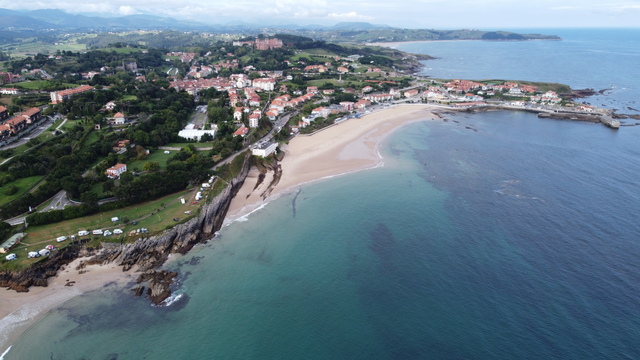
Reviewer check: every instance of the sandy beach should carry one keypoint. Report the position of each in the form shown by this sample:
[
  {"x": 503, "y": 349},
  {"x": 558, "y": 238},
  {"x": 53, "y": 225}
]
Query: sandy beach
[
  {"x": 349, "y": 146},
  {"x": 343, "y": 148},
  {"x": 18, "y": 311}
]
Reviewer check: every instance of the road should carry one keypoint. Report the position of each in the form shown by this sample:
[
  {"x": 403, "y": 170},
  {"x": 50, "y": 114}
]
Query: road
[
  {"x": 35, "y": 132},
  {"x": 58, "y": 202}
]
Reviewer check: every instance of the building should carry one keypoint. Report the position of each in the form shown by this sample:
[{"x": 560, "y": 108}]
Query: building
[
  {"x": 115, "y": 171},
  {"x": 266, "y": 84},
  {"x": 6, "y": 246},
  {"x": 264, "y": 149},
  {"x": 195, "y": 134},
  {"x": 4, "y": 113},
  {"x": 268, "y": 44},
  {"x": 119, "y": 119},
  {"x": 10, "y": 91},
  {"x": 61, "y": 96},
  {"x": 254, "y": 120},
  {"x": 242, "y": 131}
]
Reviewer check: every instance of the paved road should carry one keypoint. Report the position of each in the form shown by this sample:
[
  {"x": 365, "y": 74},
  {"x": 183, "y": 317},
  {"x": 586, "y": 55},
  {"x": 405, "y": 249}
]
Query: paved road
[{"x": 37, "y": 131}]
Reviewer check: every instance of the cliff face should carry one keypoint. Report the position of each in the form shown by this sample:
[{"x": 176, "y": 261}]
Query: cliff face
[{"x": 147, "y": 253}]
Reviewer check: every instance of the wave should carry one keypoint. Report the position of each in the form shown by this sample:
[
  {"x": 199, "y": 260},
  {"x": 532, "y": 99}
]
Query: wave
[
  {"x": 5, "y": 353},
  {"x": 174, "y": 298}
]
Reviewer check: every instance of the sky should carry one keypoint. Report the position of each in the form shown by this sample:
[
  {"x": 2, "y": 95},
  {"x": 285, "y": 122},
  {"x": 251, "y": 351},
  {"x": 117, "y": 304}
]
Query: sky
[{"x": 431, "y": 14}]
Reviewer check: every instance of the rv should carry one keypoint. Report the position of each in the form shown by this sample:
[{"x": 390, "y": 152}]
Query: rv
[
  {"x": 33, "y": 254},
  {"x": 97, "y": 232},
  {"x": 107, "y": 233},
  {"x": 11, "y": 257},
  {"x": 44, "y": 252},
  {"x": 83, "y": 233},
  {"x": 61, "y": 238},
  {"x": 117, "y": 231}
]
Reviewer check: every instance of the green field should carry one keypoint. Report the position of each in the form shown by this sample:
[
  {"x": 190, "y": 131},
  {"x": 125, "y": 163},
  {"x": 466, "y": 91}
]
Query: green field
[
  {"x": 157, "y": 155},
  {"x": 36, "y": 85},
  {"x": 22, "y": 185},
  {"x": 196, "y": 145},
  {"x": 27, "y": 47}
]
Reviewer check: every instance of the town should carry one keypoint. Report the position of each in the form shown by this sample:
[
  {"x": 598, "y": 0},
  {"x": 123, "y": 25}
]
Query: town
[{"x": 145, "y": 135}]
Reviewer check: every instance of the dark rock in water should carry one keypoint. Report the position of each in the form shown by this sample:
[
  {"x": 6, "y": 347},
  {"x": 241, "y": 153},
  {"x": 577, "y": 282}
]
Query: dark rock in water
[
  {"x": 159, "y": 284},
  {"x": 138, "y": 290}
]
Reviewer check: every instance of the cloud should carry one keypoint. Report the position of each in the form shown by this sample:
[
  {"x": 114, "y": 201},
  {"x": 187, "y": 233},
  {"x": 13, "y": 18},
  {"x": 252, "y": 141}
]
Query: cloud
[
  {"x": 127, "y": 10},
  {"x": 352, "y": 15}
]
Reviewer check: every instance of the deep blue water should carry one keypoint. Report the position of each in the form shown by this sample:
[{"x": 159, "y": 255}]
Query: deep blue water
[{"x": 489, "y": 236}]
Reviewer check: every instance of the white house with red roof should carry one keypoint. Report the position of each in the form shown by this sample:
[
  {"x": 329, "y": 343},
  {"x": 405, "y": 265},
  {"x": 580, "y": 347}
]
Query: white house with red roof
[
  {"x": 242, "y": 131},
  {"x": 115, "y": 171}
]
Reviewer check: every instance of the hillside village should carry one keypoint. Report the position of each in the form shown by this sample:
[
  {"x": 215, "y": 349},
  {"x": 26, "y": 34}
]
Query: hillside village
[{"x": 102, "y": 131}]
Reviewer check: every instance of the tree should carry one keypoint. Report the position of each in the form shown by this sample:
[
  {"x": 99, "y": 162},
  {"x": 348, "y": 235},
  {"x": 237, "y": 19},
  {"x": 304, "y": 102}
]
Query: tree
[
  {"x": 108, "y": 186},
  {"x": 151, "y": 166}
]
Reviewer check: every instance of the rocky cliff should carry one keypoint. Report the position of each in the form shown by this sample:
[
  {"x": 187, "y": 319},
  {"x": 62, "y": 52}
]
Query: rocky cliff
[{"x": 146, "y": 253}]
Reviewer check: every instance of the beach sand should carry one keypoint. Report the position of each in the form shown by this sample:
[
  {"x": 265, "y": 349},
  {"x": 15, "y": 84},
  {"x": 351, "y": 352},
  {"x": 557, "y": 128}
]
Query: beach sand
[
  {"x": 18, "y": 311},
  {"x": 343, "y": 148},
  {"x": 349, "y": 146}
]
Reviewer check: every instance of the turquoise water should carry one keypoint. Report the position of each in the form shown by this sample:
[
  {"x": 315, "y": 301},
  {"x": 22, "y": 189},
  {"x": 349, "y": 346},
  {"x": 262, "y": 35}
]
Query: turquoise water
[{"x": 493, "y": 235}]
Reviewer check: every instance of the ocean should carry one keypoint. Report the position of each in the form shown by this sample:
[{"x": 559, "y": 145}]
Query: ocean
[{"x": 493, "y": 235}]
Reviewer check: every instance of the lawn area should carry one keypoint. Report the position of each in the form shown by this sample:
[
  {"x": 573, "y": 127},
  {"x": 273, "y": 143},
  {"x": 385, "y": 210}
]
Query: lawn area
[
  {"x": 122, "y": 50},
  {"x": 35, "y": 85},
  {"x": 196, "y": 145},
  {"x": 45, "y": 233},
  {"x": 129, "y": 98},
  {"x": 157, "y": 155},
  {"x": 22, "y": 185}
]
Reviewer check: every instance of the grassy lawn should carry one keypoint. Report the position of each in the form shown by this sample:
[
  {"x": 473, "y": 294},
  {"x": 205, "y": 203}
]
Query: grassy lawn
[
  {"x": 122, "y": 50},
  {"x": 44, "y": 233},
  {"x": 22, "y": 185},
  {"x": 157, "y": 155},
  {"x": 196, "y": 145},
  {"x": 35, "y": 85},
  {"x": 129, "y": 98}
]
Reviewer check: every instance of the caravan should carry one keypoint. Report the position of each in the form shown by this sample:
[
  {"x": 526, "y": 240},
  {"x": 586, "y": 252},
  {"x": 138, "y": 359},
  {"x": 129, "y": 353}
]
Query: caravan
[
  {"x": 61, "y": 238},
  {"x": 11, "y": 257}
]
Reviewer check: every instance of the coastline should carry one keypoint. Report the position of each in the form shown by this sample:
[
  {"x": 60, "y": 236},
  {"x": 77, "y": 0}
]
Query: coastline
[
  {"x": 19, "y": 311},
  {"x": 347, "y": 147},
  {"x": 350, "y": 146}
]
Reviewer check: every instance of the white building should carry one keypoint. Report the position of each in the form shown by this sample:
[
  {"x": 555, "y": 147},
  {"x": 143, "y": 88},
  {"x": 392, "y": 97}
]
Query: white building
[
  {"x": 116, "y": 170},
  {"x": 266, "y": 84},
  {"x": 264, "y": 149},
  {"x": 195, "y": 134}
]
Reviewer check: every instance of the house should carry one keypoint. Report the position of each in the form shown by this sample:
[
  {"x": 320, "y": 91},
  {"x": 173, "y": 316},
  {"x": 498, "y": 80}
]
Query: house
[
  {"x": 312, "y": 89},
  {"x": 119, "y": 119},
  {"x": 242, "y": 131},
  {"x": 115, "y": 171},
  {"x": 271, "y": 115},
  {"x": 361, "y": 104},
  {"x": 347, "y": 105},
  {"x": 10, "y": 91},
  {"x": 110, "y": 106}
]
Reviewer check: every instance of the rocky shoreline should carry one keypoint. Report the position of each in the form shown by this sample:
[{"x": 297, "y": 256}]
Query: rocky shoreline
[{"x": 147, "y": 254}]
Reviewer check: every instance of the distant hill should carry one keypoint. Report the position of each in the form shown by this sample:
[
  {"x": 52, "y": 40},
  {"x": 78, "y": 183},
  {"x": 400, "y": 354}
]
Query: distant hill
[{"x": 352, "y": 32}]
